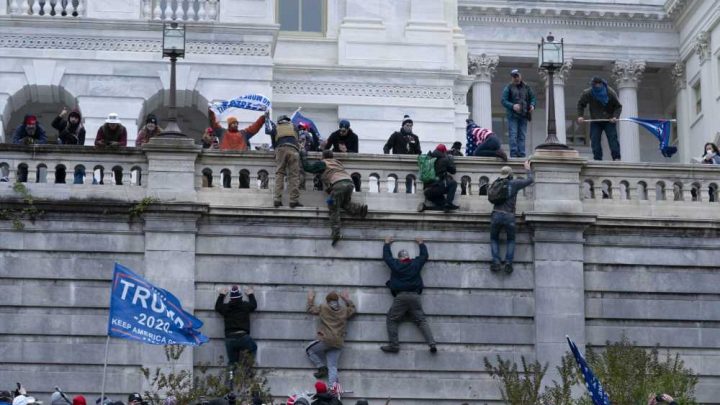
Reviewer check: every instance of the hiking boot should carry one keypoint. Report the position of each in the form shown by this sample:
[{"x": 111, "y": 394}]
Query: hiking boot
[
  {"x": 508, "y": 268},
  {"x": 433, "y": 348},
  {"x": 336, "y": 238},
  {"x": 496, "y": 267},
  {"x": 363, "y": 211},
  {"x": 499, "y": 153},
  {"x": 321, "y": 373},
  {"x": 295, "y": 204},
  {"x": 277, "y": 203},
  {"x": 421, "y": 207},
  {"x": 451, "y": 206},
  {"x": 390, "y": 348}
]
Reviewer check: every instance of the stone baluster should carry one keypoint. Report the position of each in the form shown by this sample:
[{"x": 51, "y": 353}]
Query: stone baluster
[
  {"x": 24, "y": 7},
  {"x": 202, "y": 10},
  {"x": 212, "y": 10},
  {"x": 483, "y": 68},
  {"x": 180, "y": 12},
  {"x": 157, "y": 11},
  {"x": 192, "y": 11},
  {"x": 167, "y": 13},
  {"x": 14, "y": 7},
  {"x": 147, "y": 10},
  {"x": 53, "y": 8},
  {"x": 80, "y": 9},
  {"x": 628, "y": 75},
  {"x": 559, "y": 79},
  {"x": 36, "y": 7}
]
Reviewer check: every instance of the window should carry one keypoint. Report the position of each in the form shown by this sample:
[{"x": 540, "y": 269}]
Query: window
[
  {"x": 301, "y": 15},
  {"x": 697, "y": 97}
]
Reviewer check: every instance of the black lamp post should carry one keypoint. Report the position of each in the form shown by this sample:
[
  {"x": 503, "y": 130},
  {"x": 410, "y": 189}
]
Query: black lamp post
[
  {"x": 551, "y": 58},
  {"x": 173, "y": 47}
]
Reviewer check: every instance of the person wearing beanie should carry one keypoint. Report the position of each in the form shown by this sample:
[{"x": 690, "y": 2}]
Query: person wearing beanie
[
  {"x": 236, "y": 314},
  {"x": 519, "y": 101},
  {"x": 403, "y": 142},
  {"x": 135, "y": 399},
  {"x": 406, "y": 286},
  {"x": 456, "y": 149},
  {"x": 503, "y": 215},
  {"x": 440, "y": 192},
  {"x": 324, "y": 352},
  {"x": 231, "y": 138},
  {"x": 79, "y": 400},
  {"x": 343, "y": 140},
  {"x": 112, "y": 133},
  {"x": 482, "y": 142},
  {"x": 148, "y": 131},
  {"x": 30, "y": 132},
  {"x": 604, "y": 105},
  {"x": 338, "y": 183},
  {"x": 323, "y": 396},
  {"x": 70, "y": 130},
  {"x": 285, "y": 141}
]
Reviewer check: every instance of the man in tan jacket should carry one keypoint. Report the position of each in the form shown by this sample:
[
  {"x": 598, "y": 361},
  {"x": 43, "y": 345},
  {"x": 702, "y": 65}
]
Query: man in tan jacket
[{"x": 330, "y": 333}]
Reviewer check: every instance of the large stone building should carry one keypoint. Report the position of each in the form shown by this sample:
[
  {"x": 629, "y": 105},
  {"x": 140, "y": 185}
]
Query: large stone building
[{"x": 604, "y": 249}]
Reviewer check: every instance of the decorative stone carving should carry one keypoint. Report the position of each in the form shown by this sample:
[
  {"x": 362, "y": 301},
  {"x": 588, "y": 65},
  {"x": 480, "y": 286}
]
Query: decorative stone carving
[
  {"x": 628, "y": 73},
  {"x": 362, "y": 90},
  {"x": 560, "y": 75},
  {"x": 482, "y": 66},
  {"x": 625, "y": 21},
  {"x": 130, "y": 45},
  {"x": 460, "y": 99},
  {"x": 678, "y": 75},
  {"x": 702, "y": 46}
]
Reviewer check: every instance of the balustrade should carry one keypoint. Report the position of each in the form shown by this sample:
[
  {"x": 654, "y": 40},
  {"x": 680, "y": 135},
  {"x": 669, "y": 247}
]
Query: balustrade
[
  {"x": 47, "y": 8},
  {"x": 181, "y": 10}
]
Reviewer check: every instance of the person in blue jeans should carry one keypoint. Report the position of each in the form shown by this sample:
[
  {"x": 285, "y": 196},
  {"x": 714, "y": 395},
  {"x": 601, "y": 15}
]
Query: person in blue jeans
[
  {"x": 503, "y": 217},
  {"x": 236, "y": 314},
  {"x": 519, "y": 101},
  {"x": 604, "y": 105}
]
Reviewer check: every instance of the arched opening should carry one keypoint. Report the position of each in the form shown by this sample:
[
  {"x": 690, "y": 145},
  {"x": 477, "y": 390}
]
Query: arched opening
[
  {"x": 225, "y": 178},
  {"x": 207, "y": 177},
  {"x": 713, "y": 192},
  {"x": 4, "y": 172},
  {"x": 263, "y": 179},
  {"x": 192, "y": 115},
  {"x": 79, "y": 175},
  {"x": 410, "y": 184},
  {"x": 695, "y": 192},
  {"x": 678, "y": 191},
  {"x": 660, "y": 191},
  {"x": 44, "y": 102},
  {"x": 642, "y": 190},
  {"x": 136, "y": 176},
  {"x": 118, "y": 174},
  {"x": 41, "y": 173},
  {"x": 357, "y": 181},
  {"x": 22, "y": 173},
  {"x": 465, "y": 185},
  {"x": 244, "y": 178},
  {"x": 588, "y": 190},
  {"x": 374, "y": 183},
  {"x": 392, "y": 183},
  {"x": 624, "y": 190},
  {"x": 483, "y": 185},
  {"x": 60, "y": 174},
  {"x": 607, "y": 189},
  {"x": 98, "y": 175}
]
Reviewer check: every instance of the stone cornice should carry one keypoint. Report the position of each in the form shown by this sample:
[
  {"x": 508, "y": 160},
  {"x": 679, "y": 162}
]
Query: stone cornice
[
  {"x": 675, "y": 8},
  {"x": 593, "y": 22},
  {"x": 361, "y": 90}
]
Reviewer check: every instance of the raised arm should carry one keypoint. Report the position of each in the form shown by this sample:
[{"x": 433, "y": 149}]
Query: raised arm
[{"x": 310, "y": 307}]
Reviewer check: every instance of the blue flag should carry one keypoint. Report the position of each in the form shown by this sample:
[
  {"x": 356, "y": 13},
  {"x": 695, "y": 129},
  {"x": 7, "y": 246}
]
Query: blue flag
[
  {"x": 597, "y": 394},
  {"x": 254, "y": 102},
  {"x": 661, "y": 130},
  {"x": 140, "y": 311},
  {"x": 297, "y": 118}
]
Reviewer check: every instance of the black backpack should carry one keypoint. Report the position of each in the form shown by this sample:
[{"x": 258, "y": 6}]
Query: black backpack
[{"x": 499, "y": 191}]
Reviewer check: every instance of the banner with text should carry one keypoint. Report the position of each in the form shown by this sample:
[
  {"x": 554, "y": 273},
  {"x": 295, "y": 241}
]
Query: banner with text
[
  {"x": 140, "y": 311},
  {"x": 254, "y": 102}
]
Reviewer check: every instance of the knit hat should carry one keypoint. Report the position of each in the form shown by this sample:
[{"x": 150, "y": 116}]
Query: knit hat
[
  {"x": 406, "y": 119},
  {"x": 456, "y": 145},
  {"x": 441, "y": 148},
  {"x": 231, "y": 120},
  {"x": 79, "y": 400},
  {"x": 331, "y": 297},
  {"x": 75, "y": 112},
  {"x": 344, "y": 124},
  {"x": 505, "y": 172},
  {"x": 321, "y": 387},
  {"x": 235, "y": 292},
  {"x": 134, "y": 397},
  {"x": 30, "y": 120},
  {"x": 151, "y": 119}
]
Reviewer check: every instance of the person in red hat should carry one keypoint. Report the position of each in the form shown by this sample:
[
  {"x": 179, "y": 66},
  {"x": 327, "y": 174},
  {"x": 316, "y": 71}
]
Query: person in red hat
[
  {"x": 323, "y": 396},
  {"x": 441, "y": 191},
  {"x": 30, "y": 132}
]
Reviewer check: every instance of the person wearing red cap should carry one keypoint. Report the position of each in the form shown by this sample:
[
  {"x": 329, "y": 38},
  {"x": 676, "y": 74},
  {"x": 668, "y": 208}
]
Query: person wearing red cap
[
  {"x": 323, "y": 396},
  {"x": 330, "y": 337},
  {"x": 441, "y": 191},
  {"x": 30, "y": 132},
  {"x": 236, "y": 314}
]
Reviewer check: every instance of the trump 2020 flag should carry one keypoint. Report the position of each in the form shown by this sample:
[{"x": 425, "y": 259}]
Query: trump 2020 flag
[
  {"x": 598, "y": 395},
  {"x": 140, "y": 311},
  {"x": 254, "y": 102},
  {"x": 297, "y": 118},
  {"x": 661, "y": 130}
]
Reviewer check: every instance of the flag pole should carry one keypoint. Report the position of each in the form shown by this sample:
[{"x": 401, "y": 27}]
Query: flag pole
[
  {"x": 102, "y": 390},
  {"x": 620, "y": 119}
]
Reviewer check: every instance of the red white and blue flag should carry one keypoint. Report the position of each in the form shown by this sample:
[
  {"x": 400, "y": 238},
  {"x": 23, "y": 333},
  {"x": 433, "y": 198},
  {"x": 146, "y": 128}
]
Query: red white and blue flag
[{"x": 597, "y": 394}]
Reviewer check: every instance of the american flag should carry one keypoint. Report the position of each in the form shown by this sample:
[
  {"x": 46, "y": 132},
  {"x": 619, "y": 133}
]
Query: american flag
[{"x": 598, "y": 395}]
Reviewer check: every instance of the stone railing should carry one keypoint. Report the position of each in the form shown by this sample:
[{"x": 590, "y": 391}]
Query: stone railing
[
  {"x": 180, "y": 10},
  {"x": 48, "y": 8}
]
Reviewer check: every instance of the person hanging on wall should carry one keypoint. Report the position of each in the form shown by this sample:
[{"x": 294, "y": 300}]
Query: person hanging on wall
[
  {"x": 604, "y": 106},
  {"x": 519, "y": 101},
  {"x": 236, "y": 314},
  {"x": 441, "y": 191},
  {"x": 71, "y": 130}
]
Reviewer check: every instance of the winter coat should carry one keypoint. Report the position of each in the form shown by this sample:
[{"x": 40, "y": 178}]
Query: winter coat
[
  {"x": 402, "y": 143},
  {"x": 350, "y": 140},
  {"x": 515, "y": 187},
  {"x": 236, "y": 313},
  {"x": 106, "y": 135},
  {"x": 332, "y": 323},
  {"x": 518, "y": 94},
  {"x": 597, "y": 110},
  {"x": 70, "y": 134},
  {"x": 405, "y": 276},
  {"x": 20, "y": 132}
]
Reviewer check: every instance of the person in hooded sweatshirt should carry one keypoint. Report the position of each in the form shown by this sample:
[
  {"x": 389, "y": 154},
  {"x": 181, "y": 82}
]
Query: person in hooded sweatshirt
[
  {"x": 604, "y": 105},
  {"x": 406, "y": 285},
  {"x": 325, "y": 351},
  {"x": 403, "y": 142},
  {"x": 323, "y": 396},
  {"x": 236, "y": 314},
  {"x": 150, "y": 130},
  {"x": 232, "y": 138},
  {"x": 70, "y": 130}
]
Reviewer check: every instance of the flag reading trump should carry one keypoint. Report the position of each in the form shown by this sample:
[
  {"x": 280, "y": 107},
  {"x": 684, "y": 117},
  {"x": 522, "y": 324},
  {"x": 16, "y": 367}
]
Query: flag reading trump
[{"x": 142, "y": 312}]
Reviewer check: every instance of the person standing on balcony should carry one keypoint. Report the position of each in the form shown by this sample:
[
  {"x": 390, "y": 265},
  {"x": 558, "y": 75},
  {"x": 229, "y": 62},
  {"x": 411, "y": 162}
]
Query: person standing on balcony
[
  {"x": 236, "y": 314},
  {"x": 325, "y": 351},
  {"x": 503, "y": 216},
  {"x": 519, "y": 101},
  {"x": 403, "y": 142},
  {"x": 30, "y": 132},
  {"x": 456, "y": 149},
  {"x": 339, "y": 184},
  {"x": 71, "y": 130},
  {"x": 604, "y": 106},
  {"x": 148, "y": 131},
  {"x": 343, "y": 140},
  {"x": 406, "y": 285},
  {"x": 285, "y": 141},
  {"x": 483, "y": 142},
  {"x": 112, "y": 133},
  {"x": 234, "y": 138},
  {"x": 441, "y": 191}
]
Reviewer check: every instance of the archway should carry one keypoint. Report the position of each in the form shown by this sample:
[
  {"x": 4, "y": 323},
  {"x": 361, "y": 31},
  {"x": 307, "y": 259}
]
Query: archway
[
  {"x": 191, "y": 111},
  {"x": 44, "y": 102}
]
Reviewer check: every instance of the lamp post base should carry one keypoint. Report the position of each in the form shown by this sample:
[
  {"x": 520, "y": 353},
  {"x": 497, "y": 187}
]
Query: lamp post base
[
  {"x": 172, "y": 130},
  {"x": 552, "y": 146}
]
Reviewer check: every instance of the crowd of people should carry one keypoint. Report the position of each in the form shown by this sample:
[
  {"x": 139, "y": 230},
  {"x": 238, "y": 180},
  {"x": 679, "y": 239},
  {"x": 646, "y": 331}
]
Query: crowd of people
[{"x": 20, "y": 397}]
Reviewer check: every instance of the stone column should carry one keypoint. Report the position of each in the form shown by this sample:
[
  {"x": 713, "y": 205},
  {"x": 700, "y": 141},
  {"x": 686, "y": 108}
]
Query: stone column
[
  {"x": 559, "y": 78},
  {"x": 627, "y": 75},
  {"x": 483, "y": 68},
  {"x": 681, "y": 107}
]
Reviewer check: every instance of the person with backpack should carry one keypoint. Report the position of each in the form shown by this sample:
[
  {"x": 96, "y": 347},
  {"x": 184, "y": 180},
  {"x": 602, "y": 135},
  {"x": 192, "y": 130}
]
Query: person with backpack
[
  {"x": 503, "y": 195},
  {"x": 436, "y": 170}
]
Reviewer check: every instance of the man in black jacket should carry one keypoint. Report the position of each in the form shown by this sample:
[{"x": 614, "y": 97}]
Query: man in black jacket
[
  {"x": 441, "y": 192},
  {"x": 343, "y": 140},
  {"x": 403, "y": 142},
  {"x": 236, "y": 314},
  {"x": 604, "y": 105},
  {"x": 406, "y": 285}
]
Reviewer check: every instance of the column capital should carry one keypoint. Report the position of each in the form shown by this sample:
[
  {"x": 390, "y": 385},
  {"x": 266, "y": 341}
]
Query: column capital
[
  {"x": 560, "y": 75},
  {"x": 628, "y": 73},
  {"x": 702, "y": 46},
  {"x": 678, "y": 75},
  {"x": 482, "y": 66}
]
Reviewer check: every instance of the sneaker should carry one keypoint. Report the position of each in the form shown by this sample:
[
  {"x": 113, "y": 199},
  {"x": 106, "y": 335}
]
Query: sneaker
[
  {"x": 496, "y": 267},
  {"x": 4, "y": 179},
  {"x": 501, "y": 155},
  {"x": 508, "y": 268},
  {"x": 277, "y": 204},
  {"x": 295, "y": 204},
  {"x": 322, "y": 372},
  {"x": 452, "y": 207},
  {"x": 421, "y": 207},
  {"x": 433, "y": 349},
  {"x": 390, "y": 348},
  {"x": 336, "y": 238}
]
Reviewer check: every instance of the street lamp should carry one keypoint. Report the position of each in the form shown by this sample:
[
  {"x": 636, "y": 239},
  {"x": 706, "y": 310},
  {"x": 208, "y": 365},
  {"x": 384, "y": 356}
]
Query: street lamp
[
  {"x": 173, "y": 47},
  {"x": 550, "y": 57}
]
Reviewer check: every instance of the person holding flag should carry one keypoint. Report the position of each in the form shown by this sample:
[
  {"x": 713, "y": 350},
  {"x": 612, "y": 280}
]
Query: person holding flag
[
  {"x": 232, "y": 138},
  {"x": 605, "y": 109}
]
